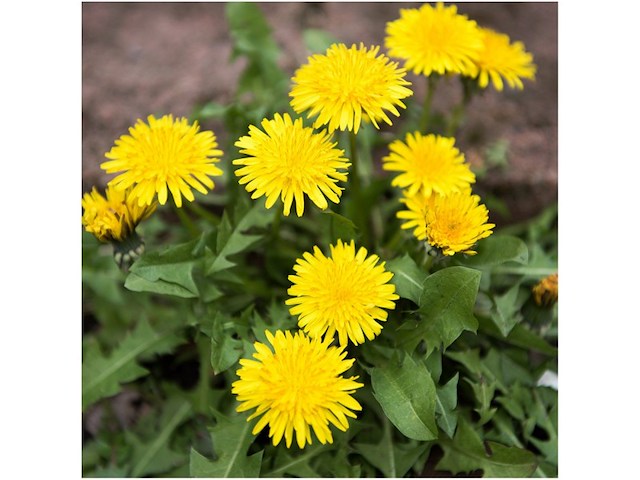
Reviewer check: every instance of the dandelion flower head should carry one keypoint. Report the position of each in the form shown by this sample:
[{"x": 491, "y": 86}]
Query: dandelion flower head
[
  {"x": 115, "y": 217},
  {"x": 161, "y": 156},
  {"x": 297, "y": 385},
  {"x": 288, "y": 160},
  {"x": 455, "y": 222},
  {"x": 500, "y": 59},
  {"x": 545, "y": 292},
  {"x": 435, "y": 39},
  {"x": 345, "y": 85},
  {"x": 429, "y": 163},
  {"x": 415, "y": 215},
  {"x": 344, "y": 293}
]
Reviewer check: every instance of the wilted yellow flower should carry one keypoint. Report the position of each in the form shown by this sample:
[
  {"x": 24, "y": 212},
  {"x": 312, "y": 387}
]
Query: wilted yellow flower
[
  {"x": 344, "y": 293},
  {"x": 435, "y": 39},
  {"x": 289, "y": 160},
  {"x": 114, "y": 218},
  {"x": 164, "y": 154},
  {"x": 545, "y": 292},
  {"x": 428, "y": 163},
  {"x": 345, "y": 85},
  {"x": 455, "y": 222},
  {"x": 499, "y": 58},
  {"x": 297, "y": 386}
]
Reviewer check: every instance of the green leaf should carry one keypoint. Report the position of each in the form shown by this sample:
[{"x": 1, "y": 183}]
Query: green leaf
[
  {"x": 286, "y": 462},
  {"x": 407, "y": 395},
  {"x": 483, "y": 391},
  {"x": 466, "y": 453},
  {"x": 155, "y": 456},
  {"x": 446, "y": 306},
  {"x": 225, "y": 350},
  {"x": 231, "y": 438},
  {"x": 506, "y": 312},
  {"x": 446, "y": 402},
  {"x": 338, "y": 227},
  {"x": 407, "y": 277},
  {"x": 233, "y": 239},
  {"x": 103, "y": 375},
  {"x": 170, "y": 271},
  {"x": 393, "y": 459},
  {"x": 498, "y": 249},
  {"x": 519, "y": 336}
]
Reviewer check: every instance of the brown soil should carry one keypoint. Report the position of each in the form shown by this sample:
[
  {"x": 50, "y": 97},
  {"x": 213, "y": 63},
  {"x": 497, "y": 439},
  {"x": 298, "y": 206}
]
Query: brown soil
[{"x": 142, "y": 58}]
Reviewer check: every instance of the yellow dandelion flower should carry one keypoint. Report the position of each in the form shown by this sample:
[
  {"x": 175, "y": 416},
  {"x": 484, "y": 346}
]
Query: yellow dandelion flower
[
  {"x": 346, "y": 85},
  {"x": 164, "y": 154},
  {"x": 416, "y": 214},
  {"x": 435, "y": 39},
  {"x": 429, "y": 163},
  {"x": 345, "y": 293},
  {"x": 545, "y": 292},
  {"x": 455, "y": 222},
  {"x": 297, "y": 386},
  {"x": 114, "y": 218},
  {"x": 289, "y": 160},
  {"x": 502, "y": 59}
]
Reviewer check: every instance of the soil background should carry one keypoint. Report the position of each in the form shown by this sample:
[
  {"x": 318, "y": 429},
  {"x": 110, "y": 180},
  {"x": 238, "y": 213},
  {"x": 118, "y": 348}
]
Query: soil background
[{"x": 142, "y": 58}]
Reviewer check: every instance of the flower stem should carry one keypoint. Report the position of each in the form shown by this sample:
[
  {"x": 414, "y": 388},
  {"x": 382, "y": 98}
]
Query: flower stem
[
  {"x": 457, "y": 115},
  {"x": 202, "y": 212},
  {"x": 186, "y": 221},
  {"x": 360, "y": 210},
  {"x": 428, "y": 100}
]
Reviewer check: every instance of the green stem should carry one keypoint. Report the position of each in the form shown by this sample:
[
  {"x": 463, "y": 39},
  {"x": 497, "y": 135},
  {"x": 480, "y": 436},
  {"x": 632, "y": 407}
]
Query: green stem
[
  {"x": 457, "y": 115},
  {"x": 204, "y": 213},
  {"x": 186, "y": 221},
  {"x": 204, "y": 357},
  {"x": 360, "y": 210},
  {"x": 428, "y": 100}
]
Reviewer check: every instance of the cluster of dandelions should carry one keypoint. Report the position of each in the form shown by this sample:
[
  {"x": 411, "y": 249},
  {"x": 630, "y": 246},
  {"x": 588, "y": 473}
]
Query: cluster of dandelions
[{"x": 297, "y": 385}]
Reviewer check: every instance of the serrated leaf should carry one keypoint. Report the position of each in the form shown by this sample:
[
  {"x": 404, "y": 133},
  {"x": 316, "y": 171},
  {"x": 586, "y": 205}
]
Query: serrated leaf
[
  {"x": 170, "y": 271},
  {"x": 446, "y": 306},
  {"x": 506, "y": 310},
  {"x": 520, "y": 336},
  {"x": 225, "y": 350},
  {"x": 446, "y": 402},
  {"x": 233, "y": 239},
  {"x": 466, "y": 453},
  {"x": 103, "y": 375},
  {"x": 408, "y": 277},
  {"x": 155, "y": 456},
  {"x": 498, "y": 249},
  {"x": 393, "y": 459},
  {"x": 407, "y": 395},
  {"x": 231, "y": 438},
  {"x": 286, "y": 462}
]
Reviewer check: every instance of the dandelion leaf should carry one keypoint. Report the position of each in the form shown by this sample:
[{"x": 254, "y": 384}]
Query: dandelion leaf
[
  {"x": 407, "y": 277},
  {"x": 407, "y": 395},
  {"x": 231, "y": 438},
  {"x": 467, "y": 453},
  {"x": 102, "y": 375},
  {"x": 446, "y": 402}
]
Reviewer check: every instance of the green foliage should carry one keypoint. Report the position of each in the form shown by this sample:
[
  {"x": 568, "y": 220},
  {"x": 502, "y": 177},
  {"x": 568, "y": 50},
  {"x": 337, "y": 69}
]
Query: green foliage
[{"x": 451, "y": 382}]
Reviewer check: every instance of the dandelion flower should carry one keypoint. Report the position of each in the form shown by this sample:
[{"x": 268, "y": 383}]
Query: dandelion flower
[
  {"x": 164, "y": 154},
  {"x": 429, "y": 163},
  {"x": 545, "y": 292},
  {"x": 416, "y": 214},
  {"x": 114, "y": 218},
  {"x": 502, "y": 59},
  {"x": 297, "y": 385},
  {"x": 345, "y": 293},
  {"x": 435, "y": 39},
  {"x": 455, "y": 222},
  {"x": 288, "y": 160},
  {"x": 346, "y": 85}
]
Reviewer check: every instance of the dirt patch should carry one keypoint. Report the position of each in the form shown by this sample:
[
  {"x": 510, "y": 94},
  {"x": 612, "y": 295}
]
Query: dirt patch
[{"x": 142, "y": 58}]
